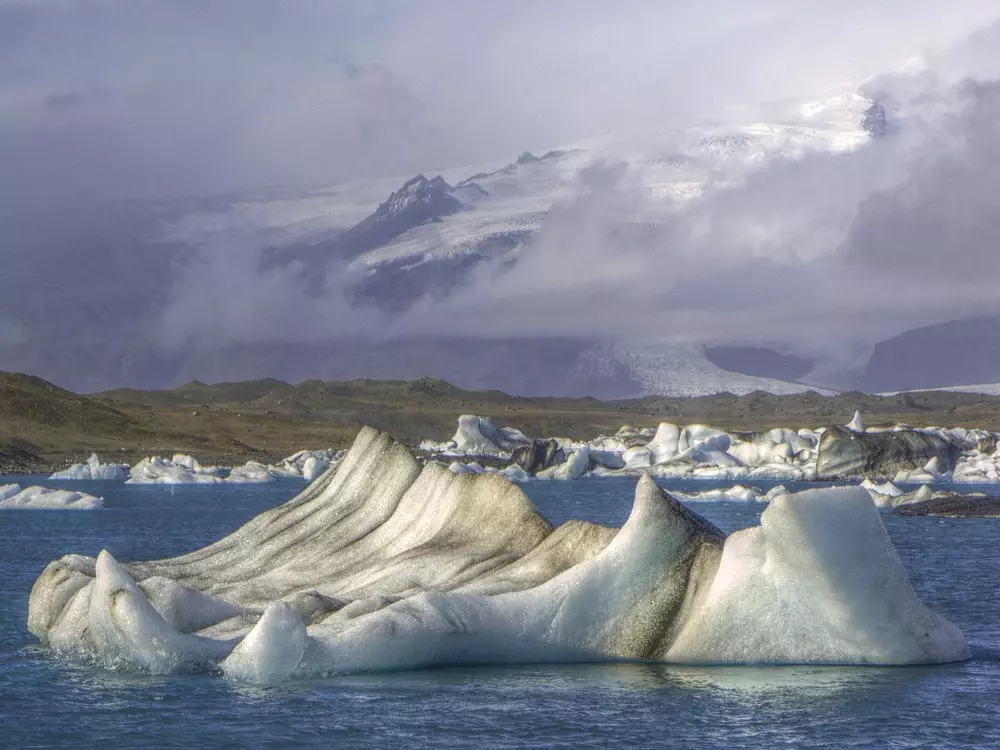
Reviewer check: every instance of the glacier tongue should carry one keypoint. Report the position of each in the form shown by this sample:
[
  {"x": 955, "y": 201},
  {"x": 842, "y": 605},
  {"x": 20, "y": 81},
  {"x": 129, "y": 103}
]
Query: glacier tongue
[{"x": 380, "y": 564}]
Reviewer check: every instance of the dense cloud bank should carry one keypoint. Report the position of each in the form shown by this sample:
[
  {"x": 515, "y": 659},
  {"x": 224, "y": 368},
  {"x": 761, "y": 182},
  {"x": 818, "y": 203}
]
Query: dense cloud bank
[{"x": 819, "y": 251}]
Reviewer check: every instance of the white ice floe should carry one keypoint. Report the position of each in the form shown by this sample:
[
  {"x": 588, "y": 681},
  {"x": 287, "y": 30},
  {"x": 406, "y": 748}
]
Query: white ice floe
[
  {"x": 93, "y": 469},
  {"x": 306, "y": 464},
  {"x": 181, "y": 469},
  {"x": 902, "y": 454},
  {"x": 13, "y": 497},
  {"x": 478, "y": 435},
  {"x": 252, "y": 472},
  {"x": 737, "y": 493},
  {"x": 574, "y": 467},
  {"x": 817, "y": 581},
  {"x": 385, "y": 565}
]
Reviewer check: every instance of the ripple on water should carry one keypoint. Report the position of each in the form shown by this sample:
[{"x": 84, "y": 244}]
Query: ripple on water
[{"x": 47, "y": 701}]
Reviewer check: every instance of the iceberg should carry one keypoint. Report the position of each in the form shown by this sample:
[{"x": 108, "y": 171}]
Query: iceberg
[
  {"x": 844, "y": 452},
  {"x": 252, "y": 472},
  {"x": 181, "y": 469},
  {"x": 305, "y": 464},
  {"x": 12, "y": 497},
  {"x": 93, "y": 469},
  {"x": 478, "y": 435},
  {"x": 902, "y": 453},
  {"x": 383, "y": 564}
]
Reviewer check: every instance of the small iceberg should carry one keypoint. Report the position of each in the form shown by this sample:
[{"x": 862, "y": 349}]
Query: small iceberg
[
  {"x": 93, "y": 469},
  {"x": 181, "y": 469},
  {"x": 12, "y": 497}
]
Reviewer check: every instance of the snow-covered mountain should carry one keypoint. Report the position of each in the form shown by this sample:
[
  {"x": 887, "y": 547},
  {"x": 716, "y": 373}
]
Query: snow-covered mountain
[{"x": 398, "y": 243}]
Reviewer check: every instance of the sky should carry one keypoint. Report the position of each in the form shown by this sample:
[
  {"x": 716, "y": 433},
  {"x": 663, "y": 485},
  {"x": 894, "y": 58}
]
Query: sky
[
  {"x": 151, "y": 98},
  {"x": 143, "y": 99}
]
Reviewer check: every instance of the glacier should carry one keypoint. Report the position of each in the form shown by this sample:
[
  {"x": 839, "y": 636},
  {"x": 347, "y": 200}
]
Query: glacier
[{"x": 384, "y": 564}]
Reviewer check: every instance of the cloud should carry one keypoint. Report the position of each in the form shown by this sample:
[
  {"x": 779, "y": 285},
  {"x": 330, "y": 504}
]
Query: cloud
[
  {"x": 142, "y": 99},
  {"x": 225, "y": 95},
  {"x": 826, "y": 250}
]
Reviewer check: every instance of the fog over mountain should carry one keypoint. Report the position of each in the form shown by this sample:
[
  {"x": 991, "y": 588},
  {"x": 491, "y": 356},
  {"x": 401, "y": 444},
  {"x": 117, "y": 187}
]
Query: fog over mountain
[{"x": 568, "y": 197}]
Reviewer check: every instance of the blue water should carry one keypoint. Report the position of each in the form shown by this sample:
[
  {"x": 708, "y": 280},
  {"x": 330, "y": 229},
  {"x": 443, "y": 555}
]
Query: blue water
[{"x": 46, "y": 702}]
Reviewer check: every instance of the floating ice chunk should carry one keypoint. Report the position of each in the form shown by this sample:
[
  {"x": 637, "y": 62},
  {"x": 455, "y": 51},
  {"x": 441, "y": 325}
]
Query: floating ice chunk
[
  {"x": 127, "y": 631},
  {"x": 606, "y": 459},
  {"x": 93, "y": 469},
  {"x": 737, "y": 493},
  {"x": 457, "y": 467},
  {"x": 638, "y": 457},
  {"x": 306, "y": 464},
  {"x": 886, "y": 488},
  {"x": 156, "y": 470},
  {"x": 923, "y": 494},
  {"x": 774, "y": 492},
  {"x": 12, "y": 497},
  {"x": 665, "y": 444},
  {"x": 478, "y": 435},
  {"x": 515, "y": 473},
  {"x": 252, "y": 472},
  {"x": 572, "y": 468},
  {"x": 384, "y": 565},
  {"x": 817, "y": 582},
  {"x": 272, "y": 650},
  {"x": 856, "y": 424},
  {"x": 885, "y": 495}
]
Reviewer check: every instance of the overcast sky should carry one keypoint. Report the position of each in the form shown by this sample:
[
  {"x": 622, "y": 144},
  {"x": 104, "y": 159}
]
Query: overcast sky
[
  {"x": 190, "y": 97},
  {"x": 176, "y": 98}
]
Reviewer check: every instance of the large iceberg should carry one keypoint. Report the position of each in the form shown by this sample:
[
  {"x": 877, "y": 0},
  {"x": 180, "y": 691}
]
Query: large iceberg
[
  {"x": 93, "y": 469},
  {"x": 382, "y": 565},
  {"x": 13, "y": 497}
]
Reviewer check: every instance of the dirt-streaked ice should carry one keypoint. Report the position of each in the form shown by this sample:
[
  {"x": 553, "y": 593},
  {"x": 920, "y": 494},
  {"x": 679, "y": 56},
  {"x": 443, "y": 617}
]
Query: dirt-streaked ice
[{"x": 383, "y": 564}]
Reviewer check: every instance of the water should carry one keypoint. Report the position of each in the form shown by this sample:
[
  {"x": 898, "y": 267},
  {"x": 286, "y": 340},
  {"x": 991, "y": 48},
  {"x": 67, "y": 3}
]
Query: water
[{"x": 48, "y": 702}]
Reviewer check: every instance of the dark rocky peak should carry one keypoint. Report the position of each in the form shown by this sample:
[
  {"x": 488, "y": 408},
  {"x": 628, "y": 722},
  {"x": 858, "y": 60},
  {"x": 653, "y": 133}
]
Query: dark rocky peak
[
  {"x": 874, "y": 120},
  {"x": 527, "y": 158},
  {"x": 430, "y": 198}
]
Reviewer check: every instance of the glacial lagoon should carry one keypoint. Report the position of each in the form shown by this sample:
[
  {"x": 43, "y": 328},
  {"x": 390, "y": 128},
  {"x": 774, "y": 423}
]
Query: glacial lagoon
[{"x": 951, "y": 563}]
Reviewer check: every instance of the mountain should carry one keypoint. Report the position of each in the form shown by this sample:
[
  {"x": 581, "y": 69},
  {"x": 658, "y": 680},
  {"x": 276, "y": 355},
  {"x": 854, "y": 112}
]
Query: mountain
[
  {"x": 957, "y": 353},
  {"x": 43, "y": 427},
  {"x": 759, "y": 361},
  {"x": 419, "y": 201},
  {"x": 394, "y": 244}
]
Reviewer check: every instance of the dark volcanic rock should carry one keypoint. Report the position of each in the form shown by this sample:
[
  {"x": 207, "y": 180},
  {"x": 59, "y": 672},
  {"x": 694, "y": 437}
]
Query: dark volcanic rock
[
  {"x": 875, "y": 121},
  {"x": 541, "y": 454},
  {"x": 419, "y": 201},
  {"x": 759, "y": 361},
  {"x": 961, "y": 352},
  {"x": 843, "y": 452},
  {"x": 19, "y": 457},
  {"x": 953, "y": 506}
]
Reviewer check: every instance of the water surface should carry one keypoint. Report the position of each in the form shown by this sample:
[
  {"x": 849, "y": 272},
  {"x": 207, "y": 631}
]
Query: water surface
[{"x": 45, "y": 701}]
